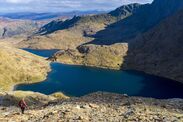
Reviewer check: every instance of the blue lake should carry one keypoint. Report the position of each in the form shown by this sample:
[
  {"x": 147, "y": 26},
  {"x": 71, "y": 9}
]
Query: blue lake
[
  {"x": 43, "y": 53},
  {"x": 79, "y": 80}
]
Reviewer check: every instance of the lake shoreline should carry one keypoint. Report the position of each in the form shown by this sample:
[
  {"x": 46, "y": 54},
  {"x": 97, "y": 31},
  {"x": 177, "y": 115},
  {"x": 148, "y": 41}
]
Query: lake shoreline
[
  {"x": 115, "y": 69},
  {"x": 14, "y": 85},
  {"x": 59, "y": 69},
  {"x": 76, "y": 68}
]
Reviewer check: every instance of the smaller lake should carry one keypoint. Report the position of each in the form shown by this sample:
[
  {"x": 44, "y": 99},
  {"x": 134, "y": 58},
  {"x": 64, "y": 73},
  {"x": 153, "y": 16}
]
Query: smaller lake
[
  {"x": 43, "y": 53},
  {"x": 80, "y": 80}
]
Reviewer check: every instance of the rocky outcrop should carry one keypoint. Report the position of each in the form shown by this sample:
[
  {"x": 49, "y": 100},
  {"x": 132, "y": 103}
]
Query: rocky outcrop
[
  {"x": 18, "y": 66},
  {"x": 97, "y": 107}
]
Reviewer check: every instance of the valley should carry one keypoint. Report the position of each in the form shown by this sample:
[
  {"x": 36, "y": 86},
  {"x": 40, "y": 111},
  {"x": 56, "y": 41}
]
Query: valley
[{"x": 78, "y": 66}]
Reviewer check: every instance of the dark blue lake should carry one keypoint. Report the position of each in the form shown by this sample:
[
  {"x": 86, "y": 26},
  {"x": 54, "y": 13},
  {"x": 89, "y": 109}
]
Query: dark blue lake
[
  {"x": 43, "y": 53},
  {"x": 79, "y": 80}
]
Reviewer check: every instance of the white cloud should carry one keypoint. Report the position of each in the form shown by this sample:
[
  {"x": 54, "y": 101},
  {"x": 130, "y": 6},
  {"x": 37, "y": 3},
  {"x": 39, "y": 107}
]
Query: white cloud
[{"x": 18, "y": 1}]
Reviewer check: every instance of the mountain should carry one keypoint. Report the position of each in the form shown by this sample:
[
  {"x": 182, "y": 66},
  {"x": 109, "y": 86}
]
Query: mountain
[
  {"x": 26, "y": 24},
  {"x": 117, "y": 26},
  {"x": 31, "y": 16},
  {"x": 50, "y": 27},
  {"x": 76, "y": 31},
  {"x": 45, "y": 16},
  {"x": 146, "y": 17},
  {"x": 10, "y": 28},
  {"x": 124, "y": 11},
  {"x": 18, "y": 66},
  {"x": 118, "y": 14},
  {"x": 159, "y": 51}
]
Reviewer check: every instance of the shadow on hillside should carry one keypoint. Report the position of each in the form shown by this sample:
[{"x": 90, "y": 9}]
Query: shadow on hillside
[
  {"x": 58, "y": 25},
  {"x": 110, "y": 35},
  {"x": 125, "y": 29},
  {"x": 153, "y": 86}
]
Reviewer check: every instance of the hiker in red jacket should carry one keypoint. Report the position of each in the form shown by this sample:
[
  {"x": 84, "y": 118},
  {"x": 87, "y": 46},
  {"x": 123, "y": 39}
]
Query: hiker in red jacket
[{"x": 22, "y": 104}]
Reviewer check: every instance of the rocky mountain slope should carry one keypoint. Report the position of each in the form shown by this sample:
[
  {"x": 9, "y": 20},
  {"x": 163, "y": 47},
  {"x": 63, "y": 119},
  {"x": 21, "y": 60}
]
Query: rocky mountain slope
[
  {"x": 17, "y": 66},
  {"x": 10, "y": 28},
  {"x": 76, "y": 31},
  {"x": 146, "y": 17},
  {"x": 160, "y": 48},
  {"x": 96, "y": 107}
]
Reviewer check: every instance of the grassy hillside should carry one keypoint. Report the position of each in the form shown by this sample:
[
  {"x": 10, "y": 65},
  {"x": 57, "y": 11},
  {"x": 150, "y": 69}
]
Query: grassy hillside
[
  {"x": 17, "y": 66},
  {"x": 92, "y": 55}
]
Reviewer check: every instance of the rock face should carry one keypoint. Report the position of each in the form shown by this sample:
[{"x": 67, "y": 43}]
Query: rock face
[
  {"x": 18, "y": 66},
  {"x": 97, "y": 107},
  {"x": 159, "y": 51},
  {"x": 76, "y": 31}
]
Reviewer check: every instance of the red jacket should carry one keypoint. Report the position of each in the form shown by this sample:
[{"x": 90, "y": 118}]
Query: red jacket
[{"x": 22, "y": 104}]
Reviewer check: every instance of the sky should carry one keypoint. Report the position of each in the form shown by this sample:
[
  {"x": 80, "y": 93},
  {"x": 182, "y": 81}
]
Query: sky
[{"x": 7, "y": 6}]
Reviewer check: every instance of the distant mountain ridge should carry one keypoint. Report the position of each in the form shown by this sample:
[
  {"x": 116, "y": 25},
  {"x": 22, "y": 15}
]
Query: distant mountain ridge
[
  {"x": 76, "y": 31},
  {"x": 120, "y": 25},
  {"x": 27, "y": 24},
  {"x": 44, "y": 16},
  {"x": 10, "y": 28},
  {"x": 118, "y": 14}
]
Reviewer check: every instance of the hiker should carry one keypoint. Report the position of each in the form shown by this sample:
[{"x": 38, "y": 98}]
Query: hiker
[{"x": 22, "y": 104}]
